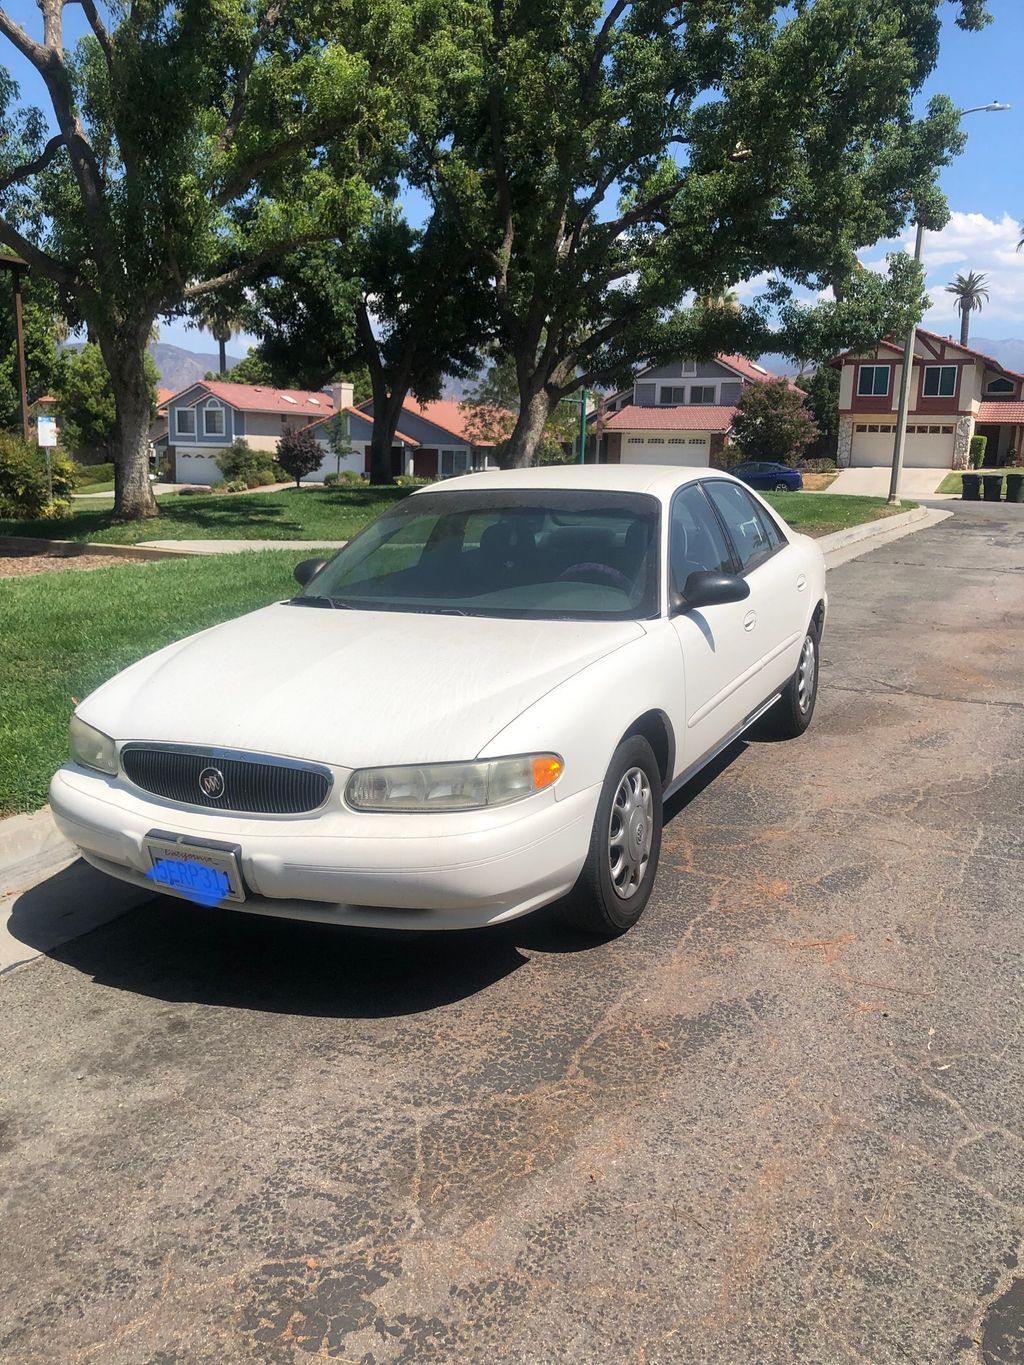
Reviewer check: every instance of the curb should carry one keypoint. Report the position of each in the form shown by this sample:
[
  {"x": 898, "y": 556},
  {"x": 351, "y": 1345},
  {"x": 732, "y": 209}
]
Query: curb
[
  {"x": 867, "y": 530},
  {"x": 29, "y": 844},
  {"x": 69, "y": 548}
]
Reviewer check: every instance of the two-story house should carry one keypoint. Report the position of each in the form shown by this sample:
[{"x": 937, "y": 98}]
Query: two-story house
[
  {"x": 955, "y": 393},
  {"x": 204, "y": 419},
  {"x": 679, "y": 413}
]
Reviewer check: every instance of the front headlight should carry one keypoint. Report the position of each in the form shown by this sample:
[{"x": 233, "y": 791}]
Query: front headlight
[
  {"x": 453, "y": 786},
  {"x": 92, "y": 748}
]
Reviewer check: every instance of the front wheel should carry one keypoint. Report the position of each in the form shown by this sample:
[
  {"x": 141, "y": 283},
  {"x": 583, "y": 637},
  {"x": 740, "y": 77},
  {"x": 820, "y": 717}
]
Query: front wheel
[
  {"x": 781, "y": 487},
  {"x": 615, "y": 885},
  {"x": 791, "y": 714}
]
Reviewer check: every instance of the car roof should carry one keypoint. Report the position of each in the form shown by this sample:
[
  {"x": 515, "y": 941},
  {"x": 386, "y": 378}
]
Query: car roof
[{"x": 659, "y": 480}]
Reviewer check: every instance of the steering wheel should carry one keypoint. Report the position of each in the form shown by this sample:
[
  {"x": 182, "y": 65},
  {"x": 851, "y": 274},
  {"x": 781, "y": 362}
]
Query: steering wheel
[{"x": 599, "y": 573}]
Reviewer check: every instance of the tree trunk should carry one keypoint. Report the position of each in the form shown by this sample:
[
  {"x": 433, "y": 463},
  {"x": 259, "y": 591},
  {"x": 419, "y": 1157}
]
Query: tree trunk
[
  {"x": 223, "y": 346},
  {"x": 965, "y": 326},
  {"x": 386, "y": 414},
  {"x": 527, "y": 432},
  {"x": 133, "y": 494}
]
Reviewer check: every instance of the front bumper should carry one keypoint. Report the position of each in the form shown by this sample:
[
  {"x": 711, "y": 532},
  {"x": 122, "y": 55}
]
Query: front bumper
[{"x": 397, "y": 871}]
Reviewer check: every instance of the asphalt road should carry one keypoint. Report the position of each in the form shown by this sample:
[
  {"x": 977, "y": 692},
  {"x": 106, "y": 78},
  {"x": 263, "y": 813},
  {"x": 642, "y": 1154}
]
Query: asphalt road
[{"x": 780, "y": 1120}]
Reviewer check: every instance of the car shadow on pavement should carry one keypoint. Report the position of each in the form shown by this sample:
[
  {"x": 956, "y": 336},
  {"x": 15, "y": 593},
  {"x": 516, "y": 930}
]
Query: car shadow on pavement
[{"x": 171, "y": 950}]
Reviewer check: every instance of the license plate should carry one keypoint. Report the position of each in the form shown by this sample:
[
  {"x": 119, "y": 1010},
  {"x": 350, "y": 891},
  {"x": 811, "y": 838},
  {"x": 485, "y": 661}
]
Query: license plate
[{"x": 205, "y": 873}]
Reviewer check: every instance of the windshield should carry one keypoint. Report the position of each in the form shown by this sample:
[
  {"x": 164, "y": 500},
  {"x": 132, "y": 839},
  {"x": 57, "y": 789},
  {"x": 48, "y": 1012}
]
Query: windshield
[{"x": 581, "y": 555}]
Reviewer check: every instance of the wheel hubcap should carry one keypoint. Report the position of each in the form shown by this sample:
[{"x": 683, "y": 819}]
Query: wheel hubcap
[
  {"x": 630, "y": 832},
  {"x": 805, "y": 675}
]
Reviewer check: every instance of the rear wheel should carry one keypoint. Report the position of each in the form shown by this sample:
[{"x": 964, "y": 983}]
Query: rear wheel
[
  {"x": 781, "y": 487},
  {"x": 791, "y": 714},
  {"x": 617, "y": 879}
]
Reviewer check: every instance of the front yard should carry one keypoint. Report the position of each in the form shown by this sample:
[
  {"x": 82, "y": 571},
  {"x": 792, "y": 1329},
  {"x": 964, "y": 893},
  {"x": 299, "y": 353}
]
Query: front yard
[
  {"x": 314, "y": 514},
  {"x": 819, "y": 514},
  {"x": 61, "y": 635}
]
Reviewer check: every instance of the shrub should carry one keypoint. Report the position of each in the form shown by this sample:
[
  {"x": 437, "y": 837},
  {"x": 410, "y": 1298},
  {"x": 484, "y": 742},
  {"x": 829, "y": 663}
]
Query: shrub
[
  {"x": 87, "y": 474},
  {"x": 345, "y": 478},
  {"x": 299, "y": 453},
  {"x": 411, "y": 481},
  {"x": 772, "y": 423},
  {"x": 978, "y": 447},
  {"x": 818, "y": 466},
  {"x": 24, "y": 495},
  {"x": 252, "y": 467}
]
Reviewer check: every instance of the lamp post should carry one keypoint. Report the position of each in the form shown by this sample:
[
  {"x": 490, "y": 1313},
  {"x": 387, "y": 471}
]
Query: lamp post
[
  {"x": 16, "y": 265},
  {"x": 911, "y": 343}
]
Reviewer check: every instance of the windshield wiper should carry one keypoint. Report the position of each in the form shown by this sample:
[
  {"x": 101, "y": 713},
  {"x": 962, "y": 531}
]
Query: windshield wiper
[{"x": 328, "y": 602}]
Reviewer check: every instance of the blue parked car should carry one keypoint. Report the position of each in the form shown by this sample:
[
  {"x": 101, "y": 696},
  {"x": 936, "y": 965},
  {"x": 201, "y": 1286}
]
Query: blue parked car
[{"x": 779, "y": 478}]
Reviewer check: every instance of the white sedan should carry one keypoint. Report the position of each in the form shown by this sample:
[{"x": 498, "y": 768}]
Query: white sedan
[{"x": 476, "y": 708}]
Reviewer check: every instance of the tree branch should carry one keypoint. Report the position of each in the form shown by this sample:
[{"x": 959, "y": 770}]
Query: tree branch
[
  {"x": 38, "y": 260},
  {"x": 241, "y": 101},
  {"x": 239, "y": 272},
  {"x": 27, "y": 46},
  {"x": 100, "y": 30},
  {"x": 34, "y": 167}
]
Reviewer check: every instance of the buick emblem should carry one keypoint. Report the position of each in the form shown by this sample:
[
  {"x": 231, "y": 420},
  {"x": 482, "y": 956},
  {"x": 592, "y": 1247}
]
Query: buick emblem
[{"x": 211, "y": 783}]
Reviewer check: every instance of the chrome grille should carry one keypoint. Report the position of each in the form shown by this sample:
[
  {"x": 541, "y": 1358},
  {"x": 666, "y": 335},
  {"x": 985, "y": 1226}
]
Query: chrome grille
[{"x": 254, "y": 785}]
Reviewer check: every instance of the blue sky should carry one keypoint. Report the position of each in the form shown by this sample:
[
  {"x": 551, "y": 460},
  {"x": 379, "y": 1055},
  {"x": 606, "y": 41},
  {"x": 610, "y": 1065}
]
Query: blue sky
[{"x": 985, "y": 187}]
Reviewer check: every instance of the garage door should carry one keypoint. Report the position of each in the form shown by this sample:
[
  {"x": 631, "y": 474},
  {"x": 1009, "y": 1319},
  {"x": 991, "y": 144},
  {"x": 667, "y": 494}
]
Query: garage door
[
  {"x": 928, "y": 447},
  {"x": 196, "y": 468},
  {"x": 694, "y": 449}
]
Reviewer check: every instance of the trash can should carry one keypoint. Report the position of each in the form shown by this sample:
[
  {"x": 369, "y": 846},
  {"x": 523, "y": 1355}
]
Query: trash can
[
  {"x": 993, "y": 486},
  {"x": 1015, "y": 488},
  {"x": 972, "y": 488}
]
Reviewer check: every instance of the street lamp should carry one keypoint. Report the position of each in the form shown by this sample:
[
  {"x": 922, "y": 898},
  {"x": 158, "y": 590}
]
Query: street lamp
[
  {"x": 908, "y": 351},
  {"x": 16, "y": 265}
]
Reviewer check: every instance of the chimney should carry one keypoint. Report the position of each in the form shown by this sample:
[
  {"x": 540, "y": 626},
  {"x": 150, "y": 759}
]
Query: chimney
[{"x": 341, "y": 394}]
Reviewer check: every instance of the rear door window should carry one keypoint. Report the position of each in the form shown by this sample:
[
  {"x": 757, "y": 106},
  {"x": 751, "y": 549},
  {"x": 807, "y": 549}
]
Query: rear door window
[{"x": 753, "y": 538}]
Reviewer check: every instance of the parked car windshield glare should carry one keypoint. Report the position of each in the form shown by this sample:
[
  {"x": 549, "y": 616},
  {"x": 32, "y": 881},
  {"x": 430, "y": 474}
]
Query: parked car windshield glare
[{"x": 566, "y": 554}]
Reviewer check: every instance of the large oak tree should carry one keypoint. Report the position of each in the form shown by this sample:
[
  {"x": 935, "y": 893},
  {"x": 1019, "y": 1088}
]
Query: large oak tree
[
  {"x": 184, "y": 147},
  {"x": 606, "y": 159}
]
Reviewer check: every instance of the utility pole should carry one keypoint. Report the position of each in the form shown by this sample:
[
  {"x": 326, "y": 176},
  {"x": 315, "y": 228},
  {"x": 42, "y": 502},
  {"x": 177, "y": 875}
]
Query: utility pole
[{"x": 15, "y": 265}]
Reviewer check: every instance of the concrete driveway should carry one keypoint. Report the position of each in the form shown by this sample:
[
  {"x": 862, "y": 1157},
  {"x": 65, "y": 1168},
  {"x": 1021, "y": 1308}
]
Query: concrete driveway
[
  {"x": 872, "y": 481},
  {"x": 781, "y": 1120}
]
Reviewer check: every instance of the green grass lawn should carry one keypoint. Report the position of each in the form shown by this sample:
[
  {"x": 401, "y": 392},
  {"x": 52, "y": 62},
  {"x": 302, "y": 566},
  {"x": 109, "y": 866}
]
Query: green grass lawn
[
  {"x": 62, "y": 634},
  {"x": 312, "y": 514},
  {"x": 819, "y": 514}
]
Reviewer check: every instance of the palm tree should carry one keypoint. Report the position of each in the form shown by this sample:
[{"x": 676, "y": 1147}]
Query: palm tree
[
  {"x": 971, "y": 292},
  {"x": 219, "y": 319}
]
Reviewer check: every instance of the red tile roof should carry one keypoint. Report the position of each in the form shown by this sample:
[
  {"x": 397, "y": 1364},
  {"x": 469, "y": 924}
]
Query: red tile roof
[
  {"x": 1012, "y": 411},
  {"x": 698, "y": 418},
  {"x": 358, "y": 412},
  {"x": 749, "y": 369},
  {"x": 260, "y": 398},
  {"x": 444, "y": 413}
]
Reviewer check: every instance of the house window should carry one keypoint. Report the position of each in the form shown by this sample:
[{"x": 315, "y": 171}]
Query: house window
[
  {"x": 939, "y": 381},
  {"x": 213, "y": 421},
  {"x": 689, "y": 369},
  {"x": 861, "y": 428},
  {"x": 185, "y": 422},
  {"x": 672, "y": 395},
  {"x": 872, "y": 428},
  {"x": 999, "y": 386},
  {"x": 873, "y": 381},
  {"x": 947, "y": 431},
  {"x": 702, "y": 393},
  {"x": 451, "y": 463}
]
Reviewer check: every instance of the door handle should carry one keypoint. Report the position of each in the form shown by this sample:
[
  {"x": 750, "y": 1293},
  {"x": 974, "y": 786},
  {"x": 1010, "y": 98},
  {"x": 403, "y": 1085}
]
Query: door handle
[
  {"x": 801, "y": 583},
  {"x": 750, "y": 621}
]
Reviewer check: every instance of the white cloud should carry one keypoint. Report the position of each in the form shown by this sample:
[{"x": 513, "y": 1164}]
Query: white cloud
[{"x": 970, "y": 241}]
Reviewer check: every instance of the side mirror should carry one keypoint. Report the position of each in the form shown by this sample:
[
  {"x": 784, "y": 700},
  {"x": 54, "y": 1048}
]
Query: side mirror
[
  {"x": 713, "y": 589},
  {"x": 303, "y": 572}
]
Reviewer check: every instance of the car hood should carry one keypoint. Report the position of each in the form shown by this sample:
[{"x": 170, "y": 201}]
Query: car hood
[{"x": 351, "y": 688}]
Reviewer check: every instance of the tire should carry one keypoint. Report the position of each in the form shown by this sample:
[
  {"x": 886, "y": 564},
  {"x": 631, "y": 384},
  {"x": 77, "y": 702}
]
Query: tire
[
  {"x": 781, "y": 487},
  {"x": 792, "y": 713},
  {"x": 623, "y": 855}
]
